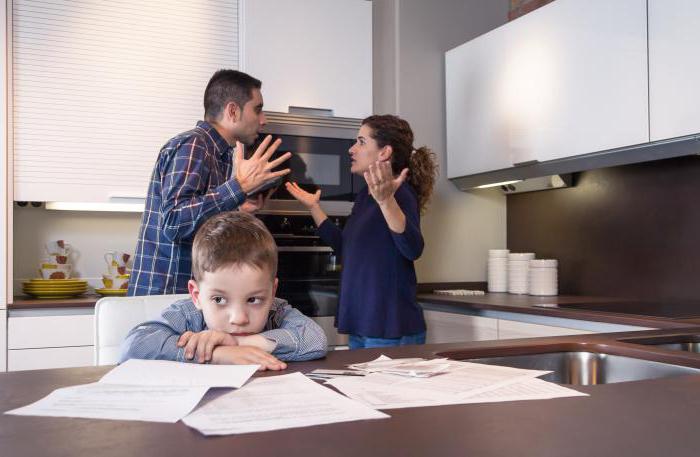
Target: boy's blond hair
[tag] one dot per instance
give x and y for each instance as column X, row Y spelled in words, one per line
column 233, row 238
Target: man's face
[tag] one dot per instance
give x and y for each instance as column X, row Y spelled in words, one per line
column 235, row 299
column 251, row 119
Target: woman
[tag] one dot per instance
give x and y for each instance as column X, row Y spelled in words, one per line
column 382, row 237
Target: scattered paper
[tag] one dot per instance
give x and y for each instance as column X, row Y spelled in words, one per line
column 143, row 390
column 111, row 401
column 168, row 373
column 276, row 402
column 412, row 367
column 330, row 374
column 464, row 382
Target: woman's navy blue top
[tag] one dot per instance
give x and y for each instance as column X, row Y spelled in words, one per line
column 378, row 279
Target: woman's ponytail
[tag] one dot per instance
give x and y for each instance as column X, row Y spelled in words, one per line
column 423, row 170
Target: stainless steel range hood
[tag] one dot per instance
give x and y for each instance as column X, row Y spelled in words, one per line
column 646, row 152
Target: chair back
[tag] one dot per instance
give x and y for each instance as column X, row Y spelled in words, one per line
column 115, row 316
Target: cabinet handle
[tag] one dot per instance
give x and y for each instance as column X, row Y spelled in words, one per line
column 526, row 162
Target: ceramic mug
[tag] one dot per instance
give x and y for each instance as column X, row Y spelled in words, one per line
column 115, row 281
column 60, row 259
column 59, row 247
column 116, row 258
column 54, row 271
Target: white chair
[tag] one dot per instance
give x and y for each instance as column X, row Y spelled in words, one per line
column 115, row 316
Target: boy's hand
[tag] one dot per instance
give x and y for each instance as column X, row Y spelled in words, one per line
column 247, row 355
column 202, row 344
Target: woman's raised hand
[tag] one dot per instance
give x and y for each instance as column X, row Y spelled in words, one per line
column 381, row 181
column 306, row 198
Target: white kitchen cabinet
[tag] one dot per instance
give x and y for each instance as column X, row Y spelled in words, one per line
column 5, row 199
column 334, row 338
column 673, row 69
column 120, row 78
column 42, row 359
column 3, row 340
column 567, row 79
column 451, row 328
column 513, row 329
column 50, row 331
column 50, row 341
column 310, row 53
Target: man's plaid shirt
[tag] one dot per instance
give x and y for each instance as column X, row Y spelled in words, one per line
column 190, row 183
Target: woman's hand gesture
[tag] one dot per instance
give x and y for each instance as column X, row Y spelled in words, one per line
column 306, row 198
column 381, row 182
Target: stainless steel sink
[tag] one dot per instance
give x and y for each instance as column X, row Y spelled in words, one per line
column 589, row 368
column 687, row 343
column 688, row 346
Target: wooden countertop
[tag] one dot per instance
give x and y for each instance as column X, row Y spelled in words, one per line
column 527, row 304
column 82, row 301
column 490, row 301
column 644, row 418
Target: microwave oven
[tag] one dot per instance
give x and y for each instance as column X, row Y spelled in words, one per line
column 320, row 160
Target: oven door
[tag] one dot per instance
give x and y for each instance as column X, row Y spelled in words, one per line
column 309, row 279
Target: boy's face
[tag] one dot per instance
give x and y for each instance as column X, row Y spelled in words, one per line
column 235, row 299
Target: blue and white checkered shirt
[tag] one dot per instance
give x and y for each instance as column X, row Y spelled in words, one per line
column 190, row 183
column 297, row 337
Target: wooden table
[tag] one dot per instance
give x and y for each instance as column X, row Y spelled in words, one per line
column 646, row 418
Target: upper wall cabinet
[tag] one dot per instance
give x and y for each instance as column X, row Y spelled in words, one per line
column 674, row 71
column 99, row 87
column 568, row 79
column 311, row 53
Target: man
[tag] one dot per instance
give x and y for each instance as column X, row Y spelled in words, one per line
column 192, row 181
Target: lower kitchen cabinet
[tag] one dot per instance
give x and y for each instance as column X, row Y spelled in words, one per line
column 513, row 329
column 444, row 327
column 450, row 327
column 335, row 339
column 37, row 359
column 49, row 341
column 3, row 340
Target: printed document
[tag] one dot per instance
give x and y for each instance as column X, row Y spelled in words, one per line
column 144, row 390
column 111, row 401
column 276, row 402
column 167, row 373
column 464, row 382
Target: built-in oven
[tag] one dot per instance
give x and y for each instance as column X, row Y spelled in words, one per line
column 308, row 270
column 320, row 159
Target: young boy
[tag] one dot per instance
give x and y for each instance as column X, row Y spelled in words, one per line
column 232, row 315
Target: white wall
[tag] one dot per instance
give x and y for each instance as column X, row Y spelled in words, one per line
column 91, row 234
column 459, row 227
column 410, row 40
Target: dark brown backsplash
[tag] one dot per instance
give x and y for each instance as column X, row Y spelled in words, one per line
column 629, row 231
column 521, row 7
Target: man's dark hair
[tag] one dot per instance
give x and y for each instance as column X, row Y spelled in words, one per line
column 228, row 86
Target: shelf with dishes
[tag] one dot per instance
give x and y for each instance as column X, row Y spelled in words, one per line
column 55, row 275
column 66, row 288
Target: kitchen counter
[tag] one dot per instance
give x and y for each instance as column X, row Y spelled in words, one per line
column 527, row 304
column 643, row 418
column 82, row 301
column 472, row 304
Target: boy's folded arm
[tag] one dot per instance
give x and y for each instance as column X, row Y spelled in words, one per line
column 297, row 338
column 246, row 355
column 258, row 341
column 157, row 339
column 152, row 340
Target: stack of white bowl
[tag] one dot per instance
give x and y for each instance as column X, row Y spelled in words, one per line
column 497, row 271
column 543, row 277
column 518, row 272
